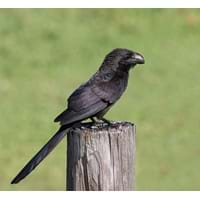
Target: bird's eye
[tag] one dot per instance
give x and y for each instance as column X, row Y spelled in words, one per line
column 129, row 55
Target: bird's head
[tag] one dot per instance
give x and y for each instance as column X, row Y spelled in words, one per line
column 123, row 59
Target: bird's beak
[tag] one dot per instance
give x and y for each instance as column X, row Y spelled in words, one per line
column 138, row 58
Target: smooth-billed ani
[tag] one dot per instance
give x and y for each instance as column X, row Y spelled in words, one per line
column 91, row 100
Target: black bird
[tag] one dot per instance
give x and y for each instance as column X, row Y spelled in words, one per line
column 91, row 100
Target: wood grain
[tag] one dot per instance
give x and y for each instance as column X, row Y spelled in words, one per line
column 101, row 157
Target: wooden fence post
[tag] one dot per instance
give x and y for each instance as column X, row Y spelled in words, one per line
column 101, row 157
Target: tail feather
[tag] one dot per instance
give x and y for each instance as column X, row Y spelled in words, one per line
column 44, row 151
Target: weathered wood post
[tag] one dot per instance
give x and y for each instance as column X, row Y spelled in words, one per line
column 101, row 157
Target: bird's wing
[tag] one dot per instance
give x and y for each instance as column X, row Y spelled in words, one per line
column 82, row 104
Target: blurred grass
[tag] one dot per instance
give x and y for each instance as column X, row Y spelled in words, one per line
column 46, row 53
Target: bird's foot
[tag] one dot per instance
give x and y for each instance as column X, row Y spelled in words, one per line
column 93, row 120
column 97, row 120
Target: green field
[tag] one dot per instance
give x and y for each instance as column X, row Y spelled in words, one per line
column 46, row 53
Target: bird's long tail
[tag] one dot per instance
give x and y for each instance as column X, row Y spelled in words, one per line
column 44, row 151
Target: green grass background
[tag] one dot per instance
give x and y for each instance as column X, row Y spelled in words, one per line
column 46, row 53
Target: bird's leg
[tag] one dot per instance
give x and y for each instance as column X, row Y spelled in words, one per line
column 106, row 121
column 93, row 120
column 98, row 119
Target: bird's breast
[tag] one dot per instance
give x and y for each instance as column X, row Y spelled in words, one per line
column 111, row 90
